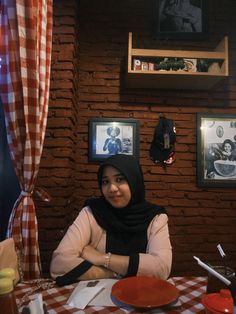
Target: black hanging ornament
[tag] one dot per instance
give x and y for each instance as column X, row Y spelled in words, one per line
column 162, row 146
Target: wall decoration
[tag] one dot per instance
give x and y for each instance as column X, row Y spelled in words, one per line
column 216, row 150
column 182, row 19
column 219, row 131
column 113, row 136
column 190, row 65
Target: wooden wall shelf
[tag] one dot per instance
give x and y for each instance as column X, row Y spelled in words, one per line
column 176, row 79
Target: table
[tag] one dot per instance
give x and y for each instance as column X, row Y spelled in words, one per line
column 191, row 290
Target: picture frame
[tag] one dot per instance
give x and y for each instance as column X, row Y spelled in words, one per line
column 182, row 19
column 109, row 136
column 216, row 150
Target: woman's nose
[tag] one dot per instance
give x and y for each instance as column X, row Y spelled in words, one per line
column 113, row 187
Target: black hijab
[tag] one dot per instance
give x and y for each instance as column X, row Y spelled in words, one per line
column 126, row 227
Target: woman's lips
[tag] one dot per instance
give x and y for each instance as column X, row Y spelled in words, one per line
column 115, row 198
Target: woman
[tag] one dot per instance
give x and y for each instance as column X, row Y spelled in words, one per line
column 119, row 233
column 227, row 150
column 113, row 143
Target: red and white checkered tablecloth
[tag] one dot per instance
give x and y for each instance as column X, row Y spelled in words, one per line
column 191, row 290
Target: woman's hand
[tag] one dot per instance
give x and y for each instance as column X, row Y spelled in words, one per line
column 226, row 153
column 93, row 256
column 117, row 263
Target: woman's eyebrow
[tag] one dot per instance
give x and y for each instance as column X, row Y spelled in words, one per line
column 115, row 175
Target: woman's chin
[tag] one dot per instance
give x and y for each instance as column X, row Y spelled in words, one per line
column 117, row 202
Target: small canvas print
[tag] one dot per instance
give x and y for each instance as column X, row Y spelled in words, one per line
column 190, row 65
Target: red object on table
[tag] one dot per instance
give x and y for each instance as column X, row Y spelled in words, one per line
column 144, row 292
column 216, row 303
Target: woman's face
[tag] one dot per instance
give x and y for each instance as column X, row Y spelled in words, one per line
column 113, row 133
column 115, row 188
column 227, row 147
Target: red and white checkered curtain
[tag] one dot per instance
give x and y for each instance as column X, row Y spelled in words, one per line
column 25, row 52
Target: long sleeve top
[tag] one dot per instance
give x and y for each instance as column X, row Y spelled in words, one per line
column 156, row 262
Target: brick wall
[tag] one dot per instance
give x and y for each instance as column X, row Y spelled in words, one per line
column 88, row 71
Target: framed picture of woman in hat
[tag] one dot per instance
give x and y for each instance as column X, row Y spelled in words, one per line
column 113, row 136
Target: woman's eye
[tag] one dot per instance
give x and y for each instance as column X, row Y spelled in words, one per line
column 120, row 179
column 104, row 182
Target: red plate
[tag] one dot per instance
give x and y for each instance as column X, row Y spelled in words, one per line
column 144, row 292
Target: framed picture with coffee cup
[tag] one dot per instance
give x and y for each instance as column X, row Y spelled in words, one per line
column 216, row 150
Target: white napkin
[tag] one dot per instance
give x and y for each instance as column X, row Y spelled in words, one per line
column 84, row 292
column 104, row 297
column 36, row 305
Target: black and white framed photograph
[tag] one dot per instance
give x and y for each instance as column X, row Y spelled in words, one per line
column 113, row 136
column 181, row 19
column 216, row 150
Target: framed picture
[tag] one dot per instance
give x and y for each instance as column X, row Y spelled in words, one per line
column 181, row 19
column 216, row 150
column 113, row 136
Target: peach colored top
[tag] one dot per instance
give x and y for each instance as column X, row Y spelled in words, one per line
column 156, row 262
